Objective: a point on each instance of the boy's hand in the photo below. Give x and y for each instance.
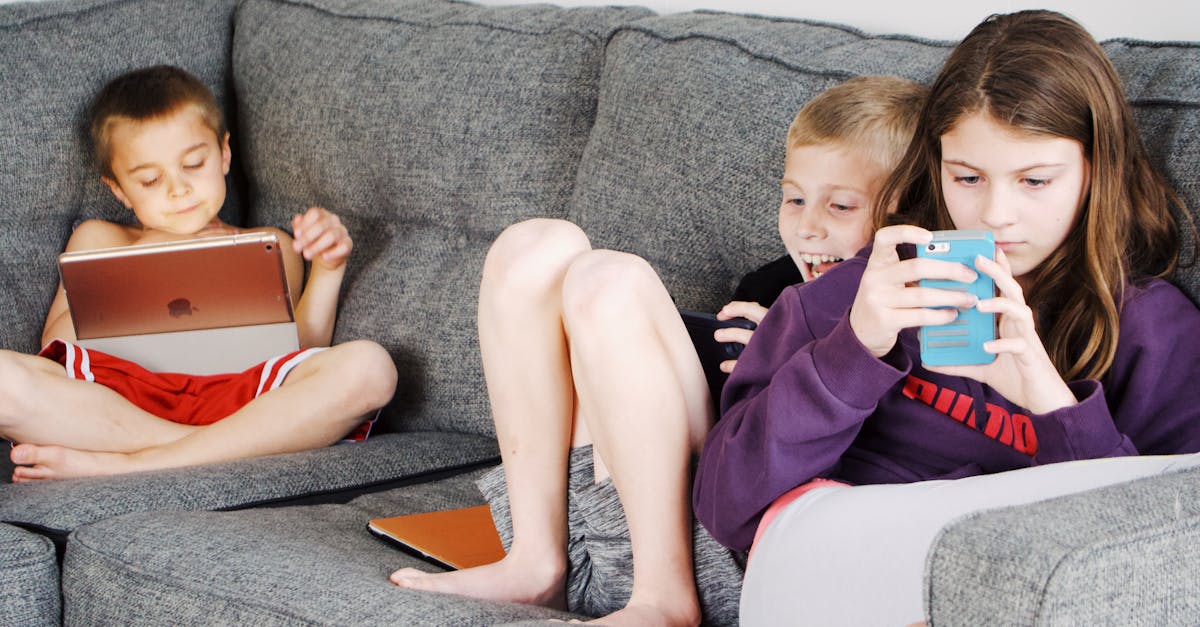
(321, 238)
(753, 312)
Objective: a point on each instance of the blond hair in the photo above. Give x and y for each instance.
(875, 115)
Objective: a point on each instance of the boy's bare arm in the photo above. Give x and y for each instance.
(89, 235)
(319, 237)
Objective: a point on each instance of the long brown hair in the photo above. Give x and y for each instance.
(1042, 73)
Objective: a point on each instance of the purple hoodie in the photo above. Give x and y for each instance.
(808, 400)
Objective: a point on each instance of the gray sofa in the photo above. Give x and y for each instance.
(429, 126)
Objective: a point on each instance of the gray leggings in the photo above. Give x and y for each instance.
(599, 558)
(856, 555)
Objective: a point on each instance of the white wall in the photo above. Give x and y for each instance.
(1160, 20)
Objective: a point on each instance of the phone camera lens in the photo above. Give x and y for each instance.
(931, 247)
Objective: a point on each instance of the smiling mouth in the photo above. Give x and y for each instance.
(818, 264)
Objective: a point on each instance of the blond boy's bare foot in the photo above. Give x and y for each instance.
(40, 462)
(532, 582)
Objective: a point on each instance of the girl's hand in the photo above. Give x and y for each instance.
(888, 298)
(319, 236)
(1022, 372)
(753, 312)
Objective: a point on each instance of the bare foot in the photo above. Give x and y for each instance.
(39, 462)
(510, 579)
(637, 614)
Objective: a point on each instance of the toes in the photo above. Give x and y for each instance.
(22, 474)
(23, 454)
(405, 576)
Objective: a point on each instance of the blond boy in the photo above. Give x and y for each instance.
(592, 376)
(163, 149)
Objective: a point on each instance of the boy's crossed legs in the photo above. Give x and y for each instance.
(72, 428)
(580, 346)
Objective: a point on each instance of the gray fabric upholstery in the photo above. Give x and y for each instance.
(1162, 81)
(1121, 555)
(429, 127)
(684, 163)
(56, 56)
(303, 565)
(65, 505)
(29, 595)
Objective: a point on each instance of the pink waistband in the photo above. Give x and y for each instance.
(786, 499)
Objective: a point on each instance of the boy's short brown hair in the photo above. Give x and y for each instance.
(874, 114)
(146, 94)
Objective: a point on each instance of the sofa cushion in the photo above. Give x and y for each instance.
(684, 163)
(29, 592)
(1119, 555)
(428, 126)
(56, 56)
(1162, 81)
(330, 474)
(309, 565)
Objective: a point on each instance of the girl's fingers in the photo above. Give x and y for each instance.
(919, 317)
(1005, 283)
(727, 365)
(1011, 310)
(1012, 345)
(918, 297)
(887, 238)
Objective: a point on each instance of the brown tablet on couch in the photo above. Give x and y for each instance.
(453, 539)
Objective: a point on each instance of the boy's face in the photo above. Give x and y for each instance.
(825, 215)
(170, 171)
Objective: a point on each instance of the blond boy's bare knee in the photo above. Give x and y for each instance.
(608, 287)
(532, 255)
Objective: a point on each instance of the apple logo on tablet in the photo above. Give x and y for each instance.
(180, 307)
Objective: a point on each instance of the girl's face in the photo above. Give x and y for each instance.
(1026, 189)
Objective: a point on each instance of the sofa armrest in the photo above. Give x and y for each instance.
(1124, 554)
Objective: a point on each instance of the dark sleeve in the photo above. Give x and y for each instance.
(765, 284)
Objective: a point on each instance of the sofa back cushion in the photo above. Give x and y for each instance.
(687, 153)
(56, 56)
(428, 126)
(688, 148)
(1162, 81)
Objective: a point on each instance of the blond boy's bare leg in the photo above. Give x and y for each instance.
(646, 402)
(321, 400)
(39, 404)
(529, 383)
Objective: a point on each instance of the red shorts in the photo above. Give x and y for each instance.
(183, 398)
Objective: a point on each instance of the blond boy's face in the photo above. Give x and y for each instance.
(825, 215)
(170, 171)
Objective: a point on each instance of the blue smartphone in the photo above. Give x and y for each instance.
(960, 343)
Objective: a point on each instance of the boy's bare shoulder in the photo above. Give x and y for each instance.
(93, 234)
